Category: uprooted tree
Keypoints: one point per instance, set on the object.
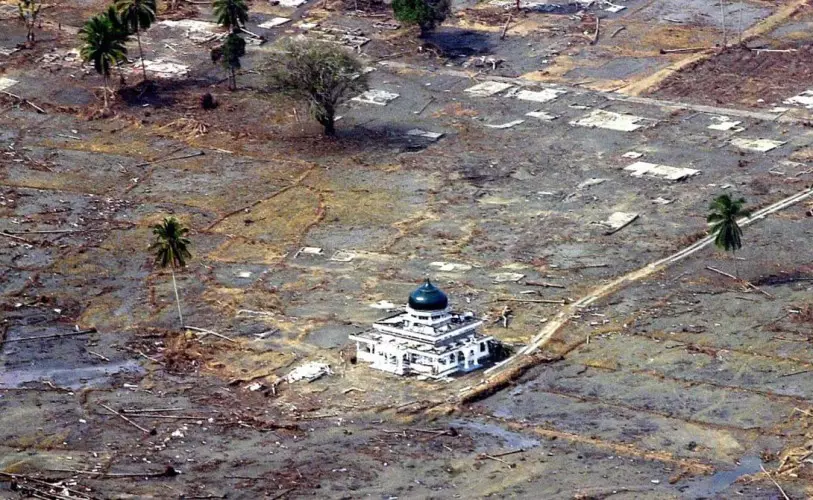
(426, 14)
(320, 74)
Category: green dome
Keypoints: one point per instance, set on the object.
(428, 297)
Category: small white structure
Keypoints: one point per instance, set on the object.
(427, 338)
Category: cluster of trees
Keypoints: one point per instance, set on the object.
(105, 35)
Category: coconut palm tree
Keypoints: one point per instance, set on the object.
(103, 44)
(171, 250)
(137, 15)
(723, 217)
(231, 14)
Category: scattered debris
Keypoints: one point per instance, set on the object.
(506, 125)
(342, 256)
(450, 266)
(309, 371)
(662, 201)
(377, 97)
(610, 120)
(507, 277)
(618, 221)
(353, 38)
(642, 168)
(488, 88)
(759, 145)
(432, 136)
(196, 31)
(594, 181)
(632, 154)
(164, 69)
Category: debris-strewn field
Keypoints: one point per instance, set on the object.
(551, 177)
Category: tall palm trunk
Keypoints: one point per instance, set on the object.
(104, 90)
(141, 52)
(722, 14)
(177, 298)
(736, 266)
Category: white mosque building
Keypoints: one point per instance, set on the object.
(427, 338)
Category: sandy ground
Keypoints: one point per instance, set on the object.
(679, 386)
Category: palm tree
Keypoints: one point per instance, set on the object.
(171, 250)
(724, 215)
(231, 14)
(137, 15)
(233, 49)
(104, 45)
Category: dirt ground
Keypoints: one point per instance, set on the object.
(682, 383)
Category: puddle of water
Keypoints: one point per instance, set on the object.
(720, 481)
(510, 439)
(72, 378)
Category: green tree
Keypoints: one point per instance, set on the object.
(28, 11)
(137, 15)
(231, 14)
(234, 47)
(426, 14)
(320, 74)
(103, 43)
(724, 217)
(171, 248)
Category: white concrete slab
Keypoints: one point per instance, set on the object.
(159, 68)
(450, 267)
(292, 3)
(274, 22)
(804, 99)
(6, 83)
(506, 125)
(632, 154)
(618, 220)
(377, 97)
(724, 124)
(609, 120)
(644, 169)
(541, 115)
(507, 277)
(759, 145)
(488, 88)
(544, 95)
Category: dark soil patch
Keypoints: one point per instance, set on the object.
(739, 76)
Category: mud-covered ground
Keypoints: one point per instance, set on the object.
(679, 385)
